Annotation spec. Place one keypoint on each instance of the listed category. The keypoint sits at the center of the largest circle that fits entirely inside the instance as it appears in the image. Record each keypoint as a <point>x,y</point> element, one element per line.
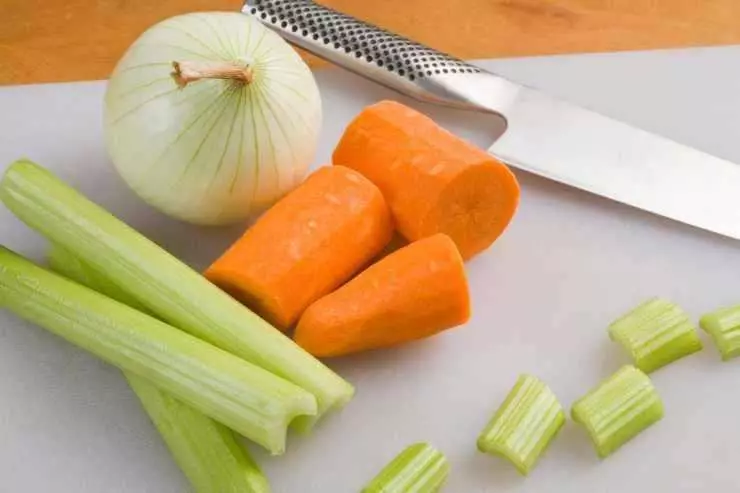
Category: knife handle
<point>406,66</point>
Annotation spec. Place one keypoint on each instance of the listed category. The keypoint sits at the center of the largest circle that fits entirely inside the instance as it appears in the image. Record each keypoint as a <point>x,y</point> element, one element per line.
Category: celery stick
<point>618,409</point>
<point>420,468</point>
<point>205,450</point>
<point>724,327</point>
<point>524,425</point>
<point>166,286</point>
<point>248,399</point>
<point>64,262</point>
<point>655,334</point>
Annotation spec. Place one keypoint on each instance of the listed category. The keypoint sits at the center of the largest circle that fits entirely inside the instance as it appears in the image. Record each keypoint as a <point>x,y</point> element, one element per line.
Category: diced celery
<point>420,468</point>
<point>618,409</point>
<point>525,424</point>
<point>165,285</point>
<point>245,397</point>
<point>655,334</point>
<point>724,327</point>
<point>206,451</point>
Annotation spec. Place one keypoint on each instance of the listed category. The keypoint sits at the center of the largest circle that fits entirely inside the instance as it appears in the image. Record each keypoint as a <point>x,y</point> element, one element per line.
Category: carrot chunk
<point>308,244</point>
<point>434,182</point>
<point>411,294</point>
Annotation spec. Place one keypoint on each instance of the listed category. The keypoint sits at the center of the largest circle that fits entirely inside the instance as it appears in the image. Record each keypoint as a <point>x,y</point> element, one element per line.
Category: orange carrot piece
<point>411,294</point>
<point>306,245</point>
<point>434,182</point>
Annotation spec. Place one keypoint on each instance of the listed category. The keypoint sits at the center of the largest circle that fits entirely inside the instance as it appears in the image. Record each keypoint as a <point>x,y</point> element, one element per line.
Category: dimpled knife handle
<point>387,58</point>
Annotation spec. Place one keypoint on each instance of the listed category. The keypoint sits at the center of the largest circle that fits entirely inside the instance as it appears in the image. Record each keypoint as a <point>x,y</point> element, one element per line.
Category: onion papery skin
<point>215,151</point>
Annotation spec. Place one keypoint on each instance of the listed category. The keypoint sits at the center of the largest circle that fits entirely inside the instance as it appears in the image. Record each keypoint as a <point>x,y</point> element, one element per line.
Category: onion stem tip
<point>188,71</point>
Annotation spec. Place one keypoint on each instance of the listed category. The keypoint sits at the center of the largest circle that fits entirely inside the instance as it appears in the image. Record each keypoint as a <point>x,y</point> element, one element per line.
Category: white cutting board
<point>542,297</point>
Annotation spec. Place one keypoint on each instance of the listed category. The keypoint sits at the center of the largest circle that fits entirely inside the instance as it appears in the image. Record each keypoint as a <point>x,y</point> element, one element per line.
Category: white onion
<point>211,151</point>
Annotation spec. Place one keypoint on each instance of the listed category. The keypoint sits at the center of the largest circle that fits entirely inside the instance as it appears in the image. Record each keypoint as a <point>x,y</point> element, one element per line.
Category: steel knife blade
<point>543,134</point>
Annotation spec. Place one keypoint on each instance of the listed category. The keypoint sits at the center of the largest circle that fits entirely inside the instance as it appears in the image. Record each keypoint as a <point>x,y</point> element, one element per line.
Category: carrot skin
<point>434,182</point>
<point>411,294</point>
<point>307,245</point>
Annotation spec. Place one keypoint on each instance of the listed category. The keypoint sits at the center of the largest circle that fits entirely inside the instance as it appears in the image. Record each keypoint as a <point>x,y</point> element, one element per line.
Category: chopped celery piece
<point>245,397</point>
<point>205,450</point>
<point>655,334</point>
<point>420,468</point>
<point>524,425</point>
<point>618,409</point>
<point>724,327</point>
<point>166,286</point>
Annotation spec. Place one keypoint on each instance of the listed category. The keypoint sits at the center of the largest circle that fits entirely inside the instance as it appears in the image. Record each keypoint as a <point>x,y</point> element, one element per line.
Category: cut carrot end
<point>433,181</point>
<point>475,208</point>
<point>413,293</point>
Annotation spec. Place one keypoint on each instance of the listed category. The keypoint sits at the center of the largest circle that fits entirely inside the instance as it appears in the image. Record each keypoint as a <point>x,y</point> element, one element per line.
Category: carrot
<point>433,181</point>
<point>306,245</point>
<point>411,294</point>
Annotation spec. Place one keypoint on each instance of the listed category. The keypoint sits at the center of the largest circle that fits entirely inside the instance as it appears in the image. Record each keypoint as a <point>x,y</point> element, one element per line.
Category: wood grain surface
<point>47,41</point>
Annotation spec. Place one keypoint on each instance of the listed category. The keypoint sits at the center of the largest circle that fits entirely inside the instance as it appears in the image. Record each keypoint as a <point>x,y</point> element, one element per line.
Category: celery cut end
<point>618,409</point>
<point>245,397</point>
<point>655,334</point>
<point>723,326</point>
<point>206,451</point>
<point>420,468</point>
<point>524,425</point>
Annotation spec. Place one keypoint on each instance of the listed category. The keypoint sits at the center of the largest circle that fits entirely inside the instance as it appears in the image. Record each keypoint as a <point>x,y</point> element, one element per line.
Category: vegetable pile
<point>230,133</point>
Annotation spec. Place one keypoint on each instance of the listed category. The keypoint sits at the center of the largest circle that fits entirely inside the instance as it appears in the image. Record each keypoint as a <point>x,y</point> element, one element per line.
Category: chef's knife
<point>543,135</point>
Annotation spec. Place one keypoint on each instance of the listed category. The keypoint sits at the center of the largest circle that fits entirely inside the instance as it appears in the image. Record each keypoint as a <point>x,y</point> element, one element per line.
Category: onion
<point>211,117</point>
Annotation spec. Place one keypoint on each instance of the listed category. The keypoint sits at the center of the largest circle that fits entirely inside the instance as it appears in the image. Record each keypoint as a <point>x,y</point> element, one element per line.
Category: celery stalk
<point>64,262</point>
<point>245,397</point>
<point>420,468</point>
<point>724,327</point>
<point>165,285</point>
<point>205,450</point>
<point>525,424</point>
<point>655,334</point>
<point>618,409</point>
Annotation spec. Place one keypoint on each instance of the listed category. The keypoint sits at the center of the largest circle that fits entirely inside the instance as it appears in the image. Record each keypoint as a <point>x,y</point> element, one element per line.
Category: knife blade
<point>542,134</point>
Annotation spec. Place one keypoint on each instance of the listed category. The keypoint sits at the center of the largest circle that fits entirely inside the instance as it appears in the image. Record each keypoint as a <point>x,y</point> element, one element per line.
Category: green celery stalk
<point>618,409</point>
<point>165,285</point>
<point>525,424</point>
<point>656,333</point>
<point>420,468</point>
<point>64,262</point>
<point>206,451</point>
<point>245,397</point>
<point>724,327</point>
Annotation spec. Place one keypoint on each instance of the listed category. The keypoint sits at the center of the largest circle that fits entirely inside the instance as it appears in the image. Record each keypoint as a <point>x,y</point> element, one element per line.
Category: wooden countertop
<point>45,41</point>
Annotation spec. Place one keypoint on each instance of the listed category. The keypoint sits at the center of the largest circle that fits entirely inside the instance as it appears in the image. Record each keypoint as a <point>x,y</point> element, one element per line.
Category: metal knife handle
<point>387,58</point>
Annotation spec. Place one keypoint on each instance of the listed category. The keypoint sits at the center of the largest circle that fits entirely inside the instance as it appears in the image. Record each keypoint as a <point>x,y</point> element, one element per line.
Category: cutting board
<point>542,298</point>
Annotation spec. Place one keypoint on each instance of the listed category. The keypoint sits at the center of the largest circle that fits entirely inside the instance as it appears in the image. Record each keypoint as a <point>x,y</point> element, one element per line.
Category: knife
<point>543,135</point>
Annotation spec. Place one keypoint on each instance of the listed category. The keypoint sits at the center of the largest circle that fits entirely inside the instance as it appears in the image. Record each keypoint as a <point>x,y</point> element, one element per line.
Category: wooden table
<point>45,41</point>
